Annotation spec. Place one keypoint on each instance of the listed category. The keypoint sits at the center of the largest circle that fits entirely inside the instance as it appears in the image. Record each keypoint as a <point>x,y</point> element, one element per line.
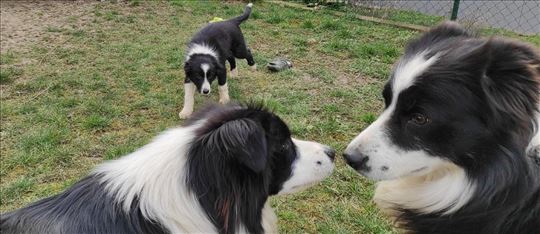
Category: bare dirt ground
<point>25,22</point>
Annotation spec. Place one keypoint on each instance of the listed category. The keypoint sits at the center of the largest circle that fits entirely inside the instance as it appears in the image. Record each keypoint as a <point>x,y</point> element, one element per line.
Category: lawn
<point>86,93</point>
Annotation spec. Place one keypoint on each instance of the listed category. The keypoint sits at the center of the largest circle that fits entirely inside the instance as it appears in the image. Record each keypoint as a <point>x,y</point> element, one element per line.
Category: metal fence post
<point>455,10</point>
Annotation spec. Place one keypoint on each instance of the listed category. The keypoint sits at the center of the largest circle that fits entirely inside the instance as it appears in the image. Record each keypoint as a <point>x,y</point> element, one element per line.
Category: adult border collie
<point>213,175</point>
<point>456,148</point>
<point>206,56</point>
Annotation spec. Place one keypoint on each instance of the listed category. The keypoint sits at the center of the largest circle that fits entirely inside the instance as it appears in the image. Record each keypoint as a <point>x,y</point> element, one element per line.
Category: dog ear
<point>187,67</point>
<point>510,78</point>
<point>438,33</point>
<point>243,140</point>
<point>220,69</point>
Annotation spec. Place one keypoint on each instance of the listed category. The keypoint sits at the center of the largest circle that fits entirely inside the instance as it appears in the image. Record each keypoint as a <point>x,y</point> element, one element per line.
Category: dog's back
<point>83,208</point>
<point>223,35</point>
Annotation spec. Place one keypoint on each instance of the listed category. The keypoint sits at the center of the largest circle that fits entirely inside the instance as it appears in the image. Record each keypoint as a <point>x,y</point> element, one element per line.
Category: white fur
<point>155,174</point>
<point>535,141</point>
<point>408,71</point>
<point>201,49</point>
<point>189,101</point>
<point>375,142</point>
<point>206,84</point>
<point>312,165</point>
<point>269,219</point>
<point>223,94</point>
<point>446,188</point>
<point>413,179</point>
<point>250,4</point>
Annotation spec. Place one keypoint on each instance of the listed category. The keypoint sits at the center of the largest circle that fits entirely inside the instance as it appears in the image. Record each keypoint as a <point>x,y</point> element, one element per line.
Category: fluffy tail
<point>247,11</point>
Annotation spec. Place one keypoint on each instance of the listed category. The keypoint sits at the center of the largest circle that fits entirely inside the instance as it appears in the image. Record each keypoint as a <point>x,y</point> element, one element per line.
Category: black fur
<point>227,40</point>
<point>239,158</point>
<point>481,97</point>
<point>84,208</point>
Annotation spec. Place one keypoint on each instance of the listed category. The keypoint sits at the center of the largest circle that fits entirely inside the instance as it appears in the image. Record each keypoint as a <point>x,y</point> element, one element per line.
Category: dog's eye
<point>419,119</point>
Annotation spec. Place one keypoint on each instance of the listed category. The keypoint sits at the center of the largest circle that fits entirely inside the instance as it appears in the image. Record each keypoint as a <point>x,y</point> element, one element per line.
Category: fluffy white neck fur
<point>155,175</point>
<point>445,189</point>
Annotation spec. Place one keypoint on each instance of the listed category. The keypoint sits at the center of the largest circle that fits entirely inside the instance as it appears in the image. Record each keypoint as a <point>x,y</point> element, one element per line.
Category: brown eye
<point>419,119</point>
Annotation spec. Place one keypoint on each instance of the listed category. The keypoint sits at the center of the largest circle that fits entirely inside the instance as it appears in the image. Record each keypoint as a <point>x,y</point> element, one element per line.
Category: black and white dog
<point>456,149</point>
<point>206,56</point>
<point>213,175</point>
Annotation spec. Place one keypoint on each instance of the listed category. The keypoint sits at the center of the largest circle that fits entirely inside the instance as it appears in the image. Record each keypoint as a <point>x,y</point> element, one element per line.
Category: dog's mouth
<point>301,187</point>
<point>418,170</point>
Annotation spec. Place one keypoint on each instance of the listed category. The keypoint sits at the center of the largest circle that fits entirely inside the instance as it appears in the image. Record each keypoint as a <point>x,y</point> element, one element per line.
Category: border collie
<point>206,56</point>
<point>213,175</point>
<point>456,149</point>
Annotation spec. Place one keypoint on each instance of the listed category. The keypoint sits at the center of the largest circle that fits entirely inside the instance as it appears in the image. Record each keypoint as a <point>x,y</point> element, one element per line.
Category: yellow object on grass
<point>216,19</point>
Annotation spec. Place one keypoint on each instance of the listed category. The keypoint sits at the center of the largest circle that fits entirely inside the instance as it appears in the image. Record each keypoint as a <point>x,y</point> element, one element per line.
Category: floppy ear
<point>243,140</point>
<point>509,78</point>
<point>438,33</point>
<point>221,71</point>
<point>187,68</point>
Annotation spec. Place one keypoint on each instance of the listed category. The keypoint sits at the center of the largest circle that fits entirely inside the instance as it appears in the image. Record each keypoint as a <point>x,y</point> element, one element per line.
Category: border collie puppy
<point>213,175</point>
<point>456,149</point>
<point>206,56</point>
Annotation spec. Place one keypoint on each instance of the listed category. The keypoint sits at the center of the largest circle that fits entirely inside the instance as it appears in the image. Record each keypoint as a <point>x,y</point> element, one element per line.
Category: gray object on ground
<point>279,64</point>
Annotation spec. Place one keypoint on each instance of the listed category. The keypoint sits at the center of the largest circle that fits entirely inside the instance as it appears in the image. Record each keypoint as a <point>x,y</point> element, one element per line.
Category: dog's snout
<point>205,91</point>
<point>330,152</point>
<point>358,162</point>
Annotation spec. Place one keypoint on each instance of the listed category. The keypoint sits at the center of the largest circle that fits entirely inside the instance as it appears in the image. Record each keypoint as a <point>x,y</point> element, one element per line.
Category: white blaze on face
<point>205,85</point>
<point>311,166</point>
<point>387,160</point>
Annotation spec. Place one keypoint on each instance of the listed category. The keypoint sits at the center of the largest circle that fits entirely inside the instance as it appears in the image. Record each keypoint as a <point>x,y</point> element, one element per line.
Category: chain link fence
<point>522,17</point>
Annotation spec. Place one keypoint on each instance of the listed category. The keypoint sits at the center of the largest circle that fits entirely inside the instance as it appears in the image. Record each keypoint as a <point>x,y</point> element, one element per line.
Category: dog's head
<point>251,143</point>
<point>452,98</point>
<point>202,67</point>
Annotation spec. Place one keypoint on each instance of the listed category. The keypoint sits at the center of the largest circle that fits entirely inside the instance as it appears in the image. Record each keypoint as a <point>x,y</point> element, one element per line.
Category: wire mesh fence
<point>522,17</point>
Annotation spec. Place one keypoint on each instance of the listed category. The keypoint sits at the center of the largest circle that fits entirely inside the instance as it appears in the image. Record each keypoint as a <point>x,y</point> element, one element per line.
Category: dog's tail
<point>247,11</point>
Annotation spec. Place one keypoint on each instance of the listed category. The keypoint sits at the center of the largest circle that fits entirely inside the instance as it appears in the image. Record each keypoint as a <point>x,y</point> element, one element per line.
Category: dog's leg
<point>269,219</point>
<point>189,93</point>
<point>232,62</point>
<point>250,60</point>
<point>223,88</point>
<point>224,94</point>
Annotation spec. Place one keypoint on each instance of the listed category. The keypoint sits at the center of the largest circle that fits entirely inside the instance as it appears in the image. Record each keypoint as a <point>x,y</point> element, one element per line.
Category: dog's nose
<point>205,91</point>
<point>358,162</point>
<point>331,153</point>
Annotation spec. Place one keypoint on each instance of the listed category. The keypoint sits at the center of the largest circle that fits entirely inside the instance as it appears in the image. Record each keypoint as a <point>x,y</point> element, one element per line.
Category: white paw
<point>224,100</point>
<point>234,72</point>
<point>254,67</point>
<point>184,114</point>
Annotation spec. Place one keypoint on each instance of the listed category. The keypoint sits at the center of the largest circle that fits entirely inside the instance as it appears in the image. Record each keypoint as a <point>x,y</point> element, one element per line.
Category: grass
<point>113,85</point>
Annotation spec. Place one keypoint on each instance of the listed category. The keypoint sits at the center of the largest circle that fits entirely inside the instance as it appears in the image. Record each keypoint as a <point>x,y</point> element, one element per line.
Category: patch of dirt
<point>358,79</point>
<point>26,22</point>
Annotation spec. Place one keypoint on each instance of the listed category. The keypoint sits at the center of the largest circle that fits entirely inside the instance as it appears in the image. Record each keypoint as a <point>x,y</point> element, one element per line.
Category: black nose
<point>205,91</point>
<point>331,153</point>
<point>358,162</point>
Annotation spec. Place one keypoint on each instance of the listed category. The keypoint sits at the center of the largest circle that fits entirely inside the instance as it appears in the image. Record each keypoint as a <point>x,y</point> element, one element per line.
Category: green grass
<point>116,83</point>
